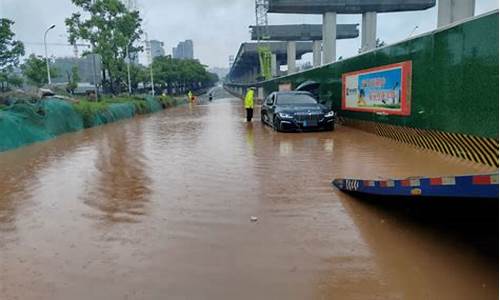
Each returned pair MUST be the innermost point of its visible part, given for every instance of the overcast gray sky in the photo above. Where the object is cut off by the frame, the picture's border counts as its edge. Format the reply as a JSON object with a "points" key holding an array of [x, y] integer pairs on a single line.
{"points": [[217, 27]]}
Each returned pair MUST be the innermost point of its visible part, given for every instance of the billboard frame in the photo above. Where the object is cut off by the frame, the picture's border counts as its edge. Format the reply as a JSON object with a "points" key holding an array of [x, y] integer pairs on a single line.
{"points": [[406, 80]]}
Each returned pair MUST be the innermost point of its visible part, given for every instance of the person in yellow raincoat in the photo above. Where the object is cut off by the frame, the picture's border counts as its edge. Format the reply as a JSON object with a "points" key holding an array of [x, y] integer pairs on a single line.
{"points": [[249, 103], [190, 97]]}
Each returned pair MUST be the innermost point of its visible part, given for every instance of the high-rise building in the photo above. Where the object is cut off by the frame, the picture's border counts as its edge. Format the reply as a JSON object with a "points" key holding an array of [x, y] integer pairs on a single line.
{"points": [[156, 48], [184, 50]]}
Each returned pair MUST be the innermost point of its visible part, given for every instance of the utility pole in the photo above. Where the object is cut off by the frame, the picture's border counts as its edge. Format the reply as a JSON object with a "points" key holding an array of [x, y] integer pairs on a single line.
{"points": [[94, 67], [46, 54], [131, 6]]}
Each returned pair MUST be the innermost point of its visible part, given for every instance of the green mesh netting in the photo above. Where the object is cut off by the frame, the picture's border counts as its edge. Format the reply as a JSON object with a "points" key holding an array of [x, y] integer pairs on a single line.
{"points": [[153, 104], [61, 117], [114, 112], [26, 123]]}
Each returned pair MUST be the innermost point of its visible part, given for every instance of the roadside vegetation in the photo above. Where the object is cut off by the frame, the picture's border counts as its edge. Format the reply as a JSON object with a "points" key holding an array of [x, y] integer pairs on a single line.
{"points": [[89, 109], [169, 101]]}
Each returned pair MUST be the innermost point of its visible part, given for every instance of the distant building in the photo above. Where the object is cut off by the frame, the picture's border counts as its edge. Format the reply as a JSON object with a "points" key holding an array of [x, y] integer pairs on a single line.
{"points": [[156, 48], [85, 64], [184, 50]]}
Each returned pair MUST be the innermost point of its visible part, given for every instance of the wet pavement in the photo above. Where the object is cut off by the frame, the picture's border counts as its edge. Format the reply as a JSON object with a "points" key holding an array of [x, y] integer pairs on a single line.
{"points": [[159, 207]]}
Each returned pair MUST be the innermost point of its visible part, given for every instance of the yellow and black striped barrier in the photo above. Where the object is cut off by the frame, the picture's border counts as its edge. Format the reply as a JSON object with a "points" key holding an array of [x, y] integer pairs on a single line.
{"points": [[473, 148]]}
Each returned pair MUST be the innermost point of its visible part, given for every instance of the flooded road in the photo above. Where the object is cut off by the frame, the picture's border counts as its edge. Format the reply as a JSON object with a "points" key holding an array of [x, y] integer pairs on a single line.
{"points": [[159, 207]]}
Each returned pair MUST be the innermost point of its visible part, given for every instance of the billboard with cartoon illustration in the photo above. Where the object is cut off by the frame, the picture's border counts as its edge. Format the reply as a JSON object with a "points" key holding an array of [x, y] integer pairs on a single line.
{"points": [[385, 89]]}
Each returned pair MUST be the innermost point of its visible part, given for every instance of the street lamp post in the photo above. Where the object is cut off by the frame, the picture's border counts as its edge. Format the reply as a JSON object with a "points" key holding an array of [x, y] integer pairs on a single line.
{"points": [[46, 54]]}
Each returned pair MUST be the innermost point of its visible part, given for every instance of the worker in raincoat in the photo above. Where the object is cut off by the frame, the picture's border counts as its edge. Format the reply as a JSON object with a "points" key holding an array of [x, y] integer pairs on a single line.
{"points": [[190, 96], [249, 103]]}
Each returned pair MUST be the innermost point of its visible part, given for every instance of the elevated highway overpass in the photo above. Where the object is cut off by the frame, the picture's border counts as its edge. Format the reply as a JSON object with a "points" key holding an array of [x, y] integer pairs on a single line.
{"points": [[246, 64]]}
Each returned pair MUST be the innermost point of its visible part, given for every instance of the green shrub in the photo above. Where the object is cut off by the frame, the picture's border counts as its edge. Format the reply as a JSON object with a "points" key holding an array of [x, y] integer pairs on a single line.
{"points": [[89, 109], [140, 104], [168, 101]]}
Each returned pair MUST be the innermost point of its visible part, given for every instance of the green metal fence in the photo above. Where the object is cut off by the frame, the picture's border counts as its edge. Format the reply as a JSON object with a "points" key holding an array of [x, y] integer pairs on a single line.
{"points": [[454, 79]]}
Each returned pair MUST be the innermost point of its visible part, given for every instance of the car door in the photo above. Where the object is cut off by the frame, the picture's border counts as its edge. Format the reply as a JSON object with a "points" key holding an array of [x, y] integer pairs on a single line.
{"points": [[266, 106], [270, 105], [263, 108]]}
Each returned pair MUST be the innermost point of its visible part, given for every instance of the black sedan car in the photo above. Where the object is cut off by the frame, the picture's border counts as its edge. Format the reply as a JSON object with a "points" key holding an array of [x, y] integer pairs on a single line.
{"points": [[296, 111]]}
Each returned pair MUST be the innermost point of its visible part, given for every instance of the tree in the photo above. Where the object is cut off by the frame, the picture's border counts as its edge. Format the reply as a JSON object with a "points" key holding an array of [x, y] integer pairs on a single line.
{"points": [[110, 28], [182, 74], [10, 52], [35, 69], [138, 74], [9, 79], [73, 80]]}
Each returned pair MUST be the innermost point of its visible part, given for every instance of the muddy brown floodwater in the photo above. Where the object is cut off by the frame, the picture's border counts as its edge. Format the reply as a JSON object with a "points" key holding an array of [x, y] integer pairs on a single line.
{"points": [[159, 207]]}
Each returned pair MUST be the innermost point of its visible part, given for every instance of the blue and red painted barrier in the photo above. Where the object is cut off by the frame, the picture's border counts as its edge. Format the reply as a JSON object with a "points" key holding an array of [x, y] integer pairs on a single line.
{"points": [[470, 186]]}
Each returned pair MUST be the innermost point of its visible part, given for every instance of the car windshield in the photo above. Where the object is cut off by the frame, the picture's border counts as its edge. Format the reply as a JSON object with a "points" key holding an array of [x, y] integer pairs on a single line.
{"points": [[295, 99]]}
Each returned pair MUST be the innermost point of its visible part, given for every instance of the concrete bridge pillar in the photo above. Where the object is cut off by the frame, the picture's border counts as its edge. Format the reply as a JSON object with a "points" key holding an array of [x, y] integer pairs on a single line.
{"points": [[444, 13], [316, 53], [450, 11], [274, 73], [329, 37], [463, 9], [368, 31], [291, 53]]}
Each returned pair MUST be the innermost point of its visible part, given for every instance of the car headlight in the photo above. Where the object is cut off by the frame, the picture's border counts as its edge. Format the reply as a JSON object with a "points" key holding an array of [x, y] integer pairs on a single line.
{"points": [[285, 115], [329, 114]]}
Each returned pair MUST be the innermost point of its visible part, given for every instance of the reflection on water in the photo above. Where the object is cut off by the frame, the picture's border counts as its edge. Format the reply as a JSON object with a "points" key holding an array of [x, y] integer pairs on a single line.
{"points": [[328, 145], [250, 136], [16, 185], [22, 172], [120, 187], [286, 148]]}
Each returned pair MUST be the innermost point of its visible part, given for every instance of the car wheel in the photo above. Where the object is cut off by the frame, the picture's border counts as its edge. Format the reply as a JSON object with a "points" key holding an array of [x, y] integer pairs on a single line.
{"points": [[330, 127], [262, 117], [276, 124]]}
